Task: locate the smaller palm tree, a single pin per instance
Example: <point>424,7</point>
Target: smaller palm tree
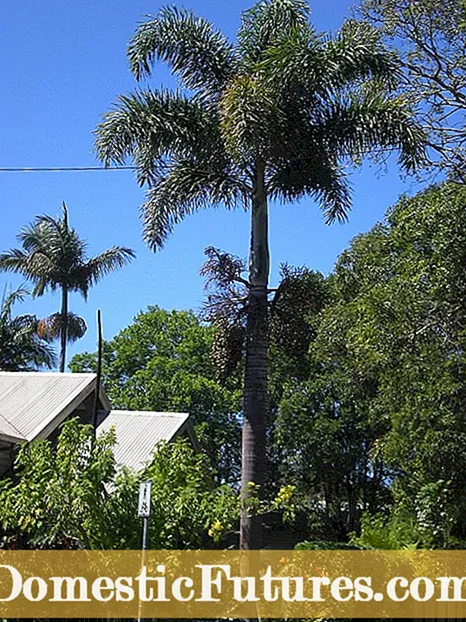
<point>21,347</point>
<point>53,257</point>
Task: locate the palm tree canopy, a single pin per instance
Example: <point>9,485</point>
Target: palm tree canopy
<point>21,347</point>
<point>51,327</point>
<point>302,104</point>
<point>53,256</point>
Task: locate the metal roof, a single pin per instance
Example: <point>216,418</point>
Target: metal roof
<point>138,432</point>
<point>33,404</point>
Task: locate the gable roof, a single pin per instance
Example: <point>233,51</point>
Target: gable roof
<point>138,432</point>
<point>33,404</point>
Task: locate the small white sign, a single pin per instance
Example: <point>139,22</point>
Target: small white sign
<point>144,499</point>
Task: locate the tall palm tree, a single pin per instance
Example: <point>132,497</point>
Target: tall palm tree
<point>53,257</point>
<point>21,347</point>
<point>274,116</point>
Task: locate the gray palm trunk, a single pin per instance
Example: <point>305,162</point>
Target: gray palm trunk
<point>255,382</point>
<point>64,327</point>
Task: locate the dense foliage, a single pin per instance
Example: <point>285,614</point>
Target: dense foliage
<point>353,402</point>
<point>366,405</point>
<point>384,407</point>
<point>73,496</point>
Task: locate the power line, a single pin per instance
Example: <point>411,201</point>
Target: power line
<point>78,169</point>
<point>60,169</point>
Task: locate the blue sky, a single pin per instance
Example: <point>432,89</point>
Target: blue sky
<point>63,64</point>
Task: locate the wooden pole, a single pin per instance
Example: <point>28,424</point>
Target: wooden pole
<point>99,372</point>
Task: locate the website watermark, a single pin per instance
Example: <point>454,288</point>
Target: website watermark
<point>229,584</point>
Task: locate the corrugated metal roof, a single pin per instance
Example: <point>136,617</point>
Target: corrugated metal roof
<point>138,432</point>
<point>34,403</point>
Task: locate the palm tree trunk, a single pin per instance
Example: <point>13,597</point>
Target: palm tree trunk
<point>64,327</point>
<point>255,378</point>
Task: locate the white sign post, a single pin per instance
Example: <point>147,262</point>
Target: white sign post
<point>145,490</point>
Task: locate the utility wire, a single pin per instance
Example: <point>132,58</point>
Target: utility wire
<point>60,169</point>
<point>78,169</point>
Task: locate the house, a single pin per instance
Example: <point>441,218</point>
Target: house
<point>33,405</point>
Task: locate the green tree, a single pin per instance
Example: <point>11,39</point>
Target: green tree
<point>162,362</point>
<point>272,117</point>
<point>21,347</point>
<point>397,322</point>
<point>54,257</point>
<point>325,435</point>
<point>187,510</point>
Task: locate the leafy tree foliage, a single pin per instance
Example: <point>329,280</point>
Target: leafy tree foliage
<point>59,499</point>
<point>378,531</point>
<point>21,347</point>
<point>53,257</point>
<point>324,437</point>
<point>162,362</point>
<point>395,332</point>
<point>276,115</point>
<point>72,496</point>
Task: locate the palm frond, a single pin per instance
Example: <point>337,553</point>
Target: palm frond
<point>313,174</point>
<point>25,353</point>
<point>35,236</point>
<point>50,328</point>
<point>14,260</point>
<point>187,188</point>
<point>314,65</point>
<point>357,54</point>
<point>65,215</point>
<point>76,327</point>
<point>110,260</point>
<point>249,111</point>
<point>8,300</point>
<point>57,237</point>
<point>35,267</point>
<point>152,127</point>
<point>356,126</point>
<point>200,55</point>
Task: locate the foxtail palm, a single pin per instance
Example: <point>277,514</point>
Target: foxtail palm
<point>274,116</point>
<point>21,347</point>
<point>54,257</point>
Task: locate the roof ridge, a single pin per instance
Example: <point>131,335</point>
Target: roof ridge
<point>147,412</point>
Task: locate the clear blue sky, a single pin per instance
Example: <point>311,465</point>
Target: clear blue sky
<point>62,65</point>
